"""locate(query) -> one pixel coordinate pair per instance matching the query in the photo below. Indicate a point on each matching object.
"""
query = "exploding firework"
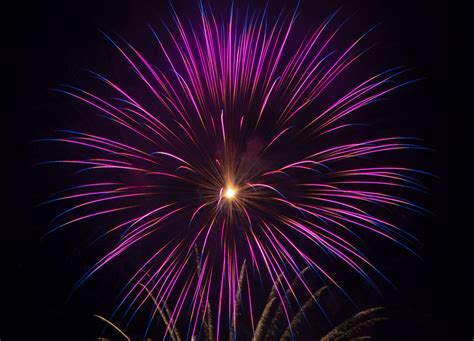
(232, 146)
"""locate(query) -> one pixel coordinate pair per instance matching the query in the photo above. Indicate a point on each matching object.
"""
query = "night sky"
(52, 43)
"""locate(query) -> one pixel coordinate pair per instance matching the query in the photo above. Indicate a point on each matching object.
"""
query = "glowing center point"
(230, 193)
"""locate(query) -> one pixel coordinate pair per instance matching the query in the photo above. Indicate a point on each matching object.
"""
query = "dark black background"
(50, 43)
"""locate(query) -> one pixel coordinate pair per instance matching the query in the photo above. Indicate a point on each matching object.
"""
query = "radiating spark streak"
(173, 156)
(277, 137)
(93, 202)
(265, 100)
(223, 126)
(88, 217)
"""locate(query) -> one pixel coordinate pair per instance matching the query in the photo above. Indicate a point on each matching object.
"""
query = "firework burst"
(230, 147)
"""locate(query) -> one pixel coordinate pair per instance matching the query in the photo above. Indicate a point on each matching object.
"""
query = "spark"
(230, 193)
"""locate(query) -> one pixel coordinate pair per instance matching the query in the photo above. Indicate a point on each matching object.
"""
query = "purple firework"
(232, 147)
